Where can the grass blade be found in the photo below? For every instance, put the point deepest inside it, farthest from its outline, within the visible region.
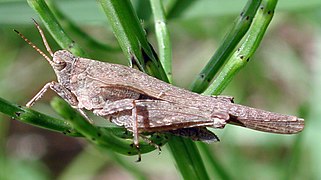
(163, 37)
(231, 40)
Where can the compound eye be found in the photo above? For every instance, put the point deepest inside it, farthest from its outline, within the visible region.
(59, 64)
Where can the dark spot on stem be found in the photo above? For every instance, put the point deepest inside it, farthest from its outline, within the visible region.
(157, 136)
(262, 7)
(248, 59)
(131, 145)
(68, 131)
(269, 12)
(241, 57)
(129, 152)
(160, 144)
(17, 114)
(71, 44)
(241, 13)
(99, 134)
(64, 133)
(94, 139)
(19, 106)
(247, 17)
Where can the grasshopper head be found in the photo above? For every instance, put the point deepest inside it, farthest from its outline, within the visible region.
(62, 62)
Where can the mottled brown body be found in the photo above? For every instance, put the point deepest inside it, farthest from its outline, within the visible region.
(142, 103)
(94, 82)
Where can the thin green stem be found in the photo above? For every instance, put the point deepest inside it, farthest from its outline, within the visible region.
(231, 40)
(132, 37)
(246, 50)
(177, 7)
(143, 11)
(214, 162)
(188, 158)
(35, 118)
(54, 27)
(163, 37)
(78, 32)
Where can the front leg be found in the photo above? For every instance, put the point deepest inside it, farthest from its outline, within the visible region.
(59, 89)
(63, 92)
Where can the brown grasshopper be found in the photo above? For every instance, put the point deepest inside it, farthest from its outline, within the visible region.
(142, 103)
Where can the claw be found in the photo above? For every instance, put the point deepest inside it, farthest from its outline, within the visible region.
(159, 150)
(139, 156)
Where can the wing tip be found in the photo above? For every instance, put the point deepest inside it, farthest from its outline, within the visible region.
(284, 126)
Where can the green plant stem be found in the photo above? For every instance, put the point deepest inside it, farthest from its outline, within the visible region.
(54, 27)
(163, 37)
(188, 159)
(132, 38)
(35, 118)
(246, 50)
(214, 162)
(76, 31)
(231, 40)
(143, 12)
(177, 7)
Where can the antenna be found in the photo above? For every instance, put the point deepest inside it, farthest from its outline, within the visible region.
(34, 46)
(43, 38)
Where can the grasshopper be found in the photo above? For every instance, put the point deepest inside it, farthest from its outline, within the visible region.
(141, 103)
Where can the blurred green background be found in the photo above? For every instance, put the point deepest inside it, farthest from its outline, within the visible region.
(283, 76)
